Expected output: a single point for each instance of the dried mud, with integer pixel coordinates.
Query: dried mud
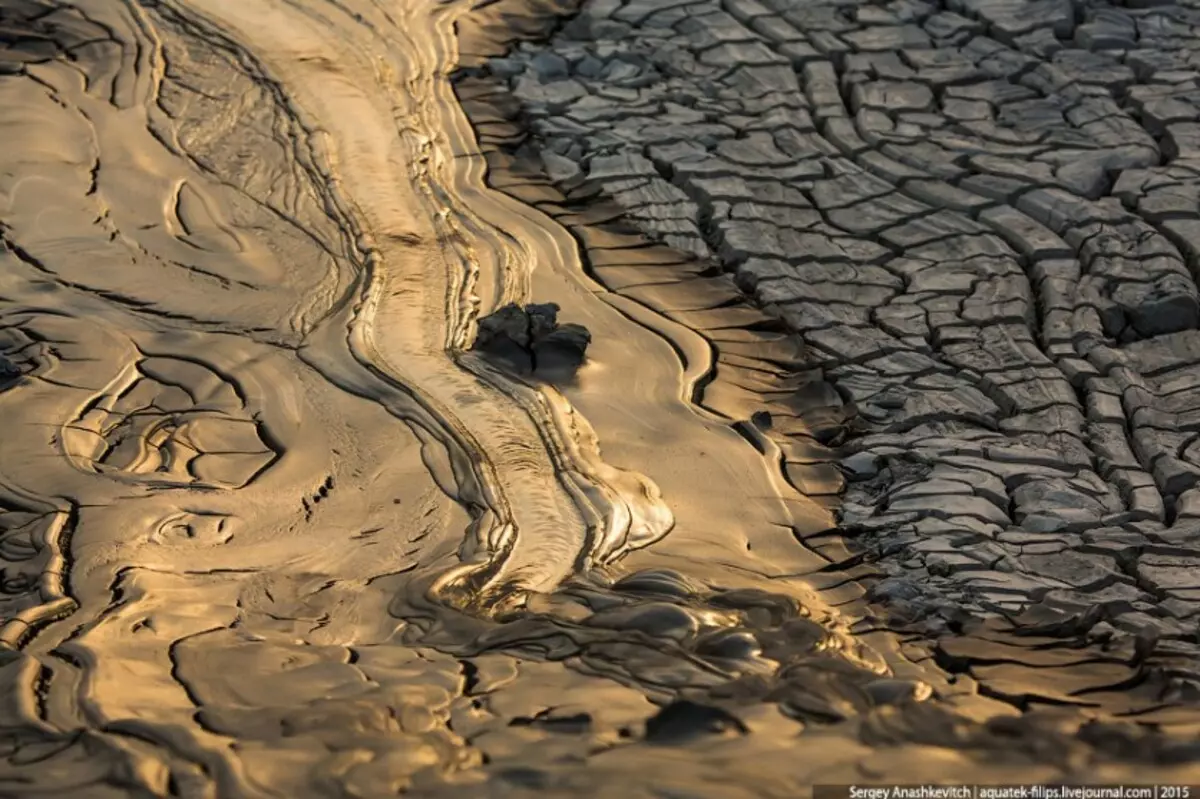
(272, 526)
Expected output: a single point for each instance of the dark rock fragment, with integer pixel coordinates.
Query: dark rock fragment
(1127, 740)
(530, 340)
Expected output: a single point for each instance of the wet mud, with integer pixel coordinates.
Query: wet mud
(276, 520)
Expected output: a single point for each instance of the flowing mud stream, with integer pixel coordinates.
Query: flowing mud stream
(269, 525)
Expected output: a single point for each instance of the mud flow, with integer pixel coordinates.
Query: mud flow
(621, 399)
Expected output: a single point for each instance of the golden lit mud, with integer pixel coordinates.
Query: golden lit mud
(272, 525)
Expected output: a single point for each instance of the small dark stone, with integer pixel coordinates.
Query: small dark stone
(1112, 319)
(504, 335)
(1040, 620)
(803, 635)
(1164, 312)
(543, 319)
(561, 351)
(529, 340)
(509, 322)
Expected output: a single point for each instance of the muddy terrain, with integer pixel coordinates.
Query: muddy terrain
(699, 399)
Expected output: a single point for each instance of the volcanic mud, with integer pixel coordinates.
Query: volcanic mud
(275, 519)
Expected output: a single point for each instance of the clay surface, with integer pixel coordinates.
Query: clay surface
(368, 431)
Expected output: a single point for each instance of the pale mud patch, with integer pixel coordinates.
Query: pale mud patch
(269, 529)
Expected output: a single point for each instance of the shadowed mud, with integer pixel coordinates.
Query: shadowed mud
(275, 521)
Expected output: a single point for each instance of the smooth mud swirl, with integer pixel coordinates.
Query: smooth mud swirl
(270, 527)
(412, 310)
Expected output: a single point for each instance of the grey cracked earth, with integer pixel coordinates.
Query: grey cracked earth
(632, 399)
(982, 220)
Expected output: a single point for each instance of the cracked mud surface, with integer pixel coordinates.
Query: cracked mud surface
(978, 219)
(272, 524)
